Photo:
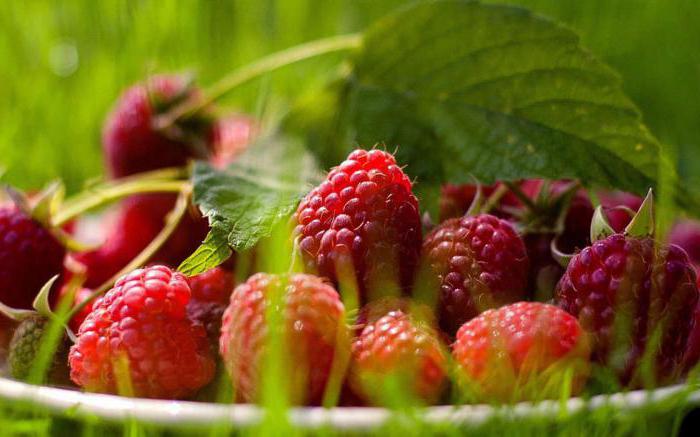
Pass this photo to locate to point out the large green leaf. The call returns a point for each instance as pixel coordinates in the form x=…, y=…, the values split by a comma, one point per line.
x=244, y=201
x=466, y=89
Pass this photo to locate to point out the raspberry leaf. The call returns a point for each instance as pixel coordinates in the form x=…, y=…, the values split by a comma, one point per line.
x=492, y=91
x=244, y=201
x=213, y=251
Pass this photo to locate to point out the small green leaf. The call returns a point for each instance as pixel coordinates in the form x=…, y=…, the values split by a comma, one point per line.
x=244, y=201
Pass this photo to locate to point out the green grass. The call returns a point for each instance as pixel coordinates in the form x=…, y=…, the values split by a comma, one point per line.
x=64, y=63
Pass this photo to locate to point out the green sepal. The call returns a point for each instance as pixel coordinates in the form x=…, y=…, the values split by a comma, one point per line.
x=19, y=199
x=15, y=314
x=41, y=301
x=600, y=227
x=642, y=224
x=48, y=202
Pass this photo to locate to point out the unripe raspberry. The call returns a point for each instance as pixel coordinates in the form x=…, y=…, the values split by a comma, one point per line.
x=25, y=345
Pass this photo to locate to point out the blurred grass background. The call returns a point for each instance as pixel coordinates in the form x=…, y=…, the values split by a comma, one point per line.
x=64, y=63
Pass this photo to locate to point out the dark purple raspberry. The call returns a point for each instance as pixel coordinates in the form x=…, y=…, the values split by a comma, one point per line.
x=632, y=295
x=362, y=220
x=29, y=256
x=478, y=263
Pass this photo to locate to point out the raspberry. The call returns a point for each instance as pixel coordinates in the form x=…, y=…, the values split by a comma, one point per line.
x=211, y=292
x=131, y=142
x=313, y=331
x=138, y=340
x=25, y=345
x=139, y=219
x=29, y=257
x=476, y=263
x=395, y=349
x=364, y=213
x=522, y=351
x=635, y=299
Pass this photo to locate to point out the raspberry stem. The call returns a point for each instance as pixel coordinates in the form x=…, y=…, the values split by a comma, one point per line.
x=160, y=181
x=171, y=221
x=258, y=68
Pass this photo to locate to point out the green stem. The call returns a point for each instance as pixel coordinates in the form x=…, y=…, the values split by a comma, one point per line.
x=171, y=222
x=258, y=68
x=101, y=196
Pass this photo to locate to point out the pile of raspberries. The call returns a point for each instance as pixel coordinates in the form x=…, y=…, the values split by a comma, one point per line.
x=383, y=305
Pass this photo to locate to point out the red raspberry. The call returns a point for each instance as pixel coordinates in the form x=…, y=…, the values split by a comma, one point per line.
x=626, y=291
x=520, y=352
x=131, y=142
x=29, y=257
x=138, y=340
x=314, y=334
x=211, y=292
x=477, y=263
x=396, y=347
x=364, y=213
x=139, y=219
